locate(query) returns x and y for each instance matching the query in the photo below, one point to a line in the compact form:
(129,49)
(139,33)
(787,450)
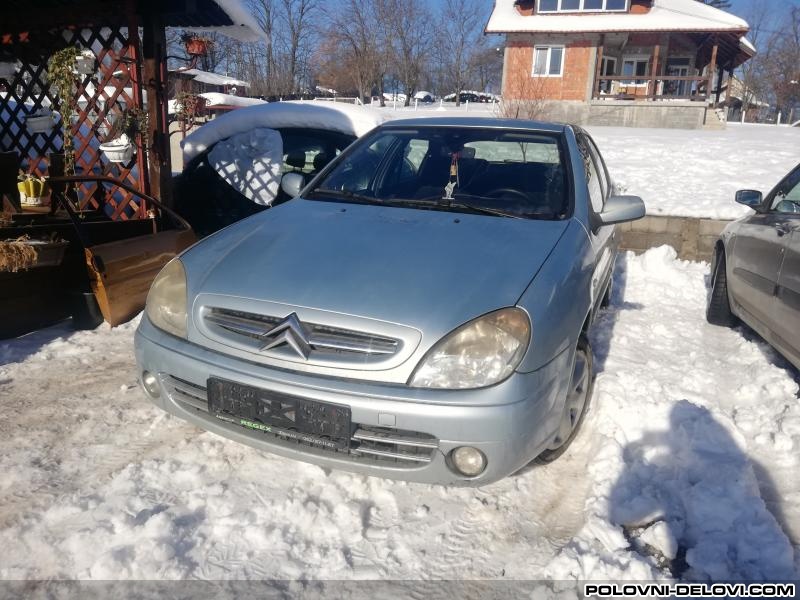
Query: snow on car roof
(666,15)
(344,118)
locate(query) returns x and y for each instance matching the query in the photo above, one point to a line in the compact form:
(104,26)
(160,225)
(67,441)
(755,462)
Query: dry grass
(16,255)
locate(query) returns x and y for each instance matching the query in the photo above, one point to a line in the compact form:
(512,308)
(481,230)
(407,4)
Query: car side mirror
(750,198)
(292,184)
(622,209)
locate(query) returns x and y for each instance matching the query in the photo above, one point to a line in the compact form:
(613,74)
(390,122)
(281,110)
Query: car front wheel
(579,395)
(719,306)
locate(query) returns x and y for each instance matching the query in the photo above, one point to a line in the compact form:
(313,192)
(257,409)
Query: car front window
(508,172)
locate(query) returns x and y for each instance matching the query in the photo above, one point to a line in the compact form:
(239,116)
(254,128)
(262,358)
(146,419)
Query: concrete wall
(619,113)
(693,239)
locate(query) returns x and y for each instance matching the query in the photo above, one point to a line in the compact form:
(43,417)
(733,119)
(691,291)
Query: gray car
(756,275)
(419,312)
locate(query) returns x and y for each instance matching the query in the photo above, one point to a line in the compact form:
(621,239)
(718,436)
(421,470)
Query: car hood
(430,270)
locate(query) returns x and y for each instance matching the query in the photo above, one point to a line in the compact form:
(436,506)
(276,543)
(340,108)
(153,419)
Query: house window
(548,61)
(551,6)
(636,66)
(608,68)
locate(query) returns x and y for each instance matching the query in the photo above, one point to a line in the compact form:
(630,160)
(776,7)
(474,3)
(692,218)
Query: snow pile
(251,162)
(344,118)
(687,173)
(666,479)
(676,489)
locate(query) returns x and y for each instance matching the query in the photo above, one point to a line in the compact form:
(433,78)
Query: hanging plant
(61,74)
(189,106)
(196,45)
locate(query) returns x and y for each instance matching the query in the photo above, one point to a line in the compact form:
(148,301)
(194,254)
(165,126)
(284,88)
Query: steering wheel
(500,192)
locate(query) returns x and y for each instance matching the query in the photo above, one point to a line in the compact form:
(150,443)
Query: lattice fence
(102,97)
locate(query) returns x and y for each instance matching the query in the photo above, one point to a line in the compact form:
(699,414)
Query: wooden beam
(654,70)
(712,68)
(598,67)
(154,51)
(719,86)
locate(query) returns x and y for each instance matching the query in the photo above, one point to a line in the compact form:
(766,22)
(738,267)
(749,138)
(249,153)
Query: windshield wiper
(345,195)
(455,202)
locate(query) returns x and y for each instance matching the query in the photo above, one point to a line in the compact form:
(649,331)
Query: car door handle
(783,229)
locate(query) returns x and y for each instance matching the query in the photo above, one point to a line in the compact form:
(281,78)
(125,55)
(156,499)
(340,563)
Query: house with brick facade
(646,63)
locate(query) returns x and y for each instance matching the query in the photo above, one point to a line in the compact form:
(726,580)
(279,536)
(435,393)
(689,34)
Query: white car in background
(234,164)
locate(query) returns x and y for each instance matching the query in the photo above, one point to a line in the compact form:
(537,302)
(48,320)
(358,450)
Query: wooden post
(598,68)
(719,86)
(712,68)
(154,50)
(654,72)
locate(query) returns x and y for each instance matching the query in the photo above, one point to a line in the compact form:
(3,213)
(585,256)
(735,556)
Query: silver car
(756,275)
(418,312)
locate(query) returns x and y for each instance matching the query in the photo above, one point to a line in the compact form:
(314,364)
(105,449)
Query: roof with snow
(229,17)
(665,15)
(211,78)
(241,24)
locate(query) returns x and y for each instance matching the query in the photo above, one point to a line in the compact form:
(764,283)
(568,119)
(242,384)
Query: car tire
(719,305)
(579,396)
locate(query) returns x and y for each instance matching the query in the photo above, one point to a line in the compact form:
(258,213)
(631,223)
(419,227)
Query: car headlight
(166,302)
(479,354)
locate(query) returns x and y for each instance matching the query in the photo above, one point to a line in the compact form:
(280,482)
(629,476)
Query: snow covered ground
(685,468)
(686,173)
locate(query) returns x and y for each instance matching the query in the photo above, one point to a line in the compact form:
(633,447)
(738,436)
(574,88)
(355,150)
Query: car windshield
(500,172)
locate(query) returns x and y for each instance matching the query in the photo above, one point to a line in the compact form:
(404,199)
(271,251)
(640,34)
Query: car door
(785,204)
(603,238)
(755,262)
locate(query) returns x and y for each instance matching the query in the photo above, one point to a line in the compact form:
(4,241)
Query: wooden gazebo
(95,249)
(127,39)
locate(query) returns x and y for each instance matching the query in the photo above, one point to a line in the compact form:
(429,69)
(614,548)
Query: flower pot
(40,123)
(196,47)
(32,191)
(119,150)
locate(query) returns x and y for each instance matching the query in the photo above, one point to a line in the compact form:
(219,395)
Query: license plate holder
(320,424)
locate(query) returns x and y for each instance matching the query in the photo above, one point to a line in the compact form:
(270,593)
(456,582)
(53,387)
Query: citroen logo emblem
(288,332)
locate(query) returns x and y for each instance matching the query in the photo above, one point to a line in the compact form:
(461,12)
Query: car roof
(486,122)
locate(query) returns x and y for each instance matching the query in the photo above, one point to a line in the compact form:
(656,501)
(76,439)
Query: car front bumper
(511,423)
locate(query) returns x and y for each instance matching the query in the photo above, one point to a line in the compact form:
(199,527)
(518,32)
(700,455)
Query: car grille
(401,449)
(249,328)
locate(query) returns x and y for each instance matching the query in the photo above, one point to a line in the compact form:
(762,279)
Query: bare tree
(459,34)
(353,37)
(298,19)
(409,33)
(783,63)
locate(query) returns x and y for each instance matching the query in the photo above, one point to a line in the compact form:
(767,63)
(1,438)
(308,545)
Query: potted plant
(196,45)
(42,121)
(32,189)
(85,62)
(61,73)
(121,148)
